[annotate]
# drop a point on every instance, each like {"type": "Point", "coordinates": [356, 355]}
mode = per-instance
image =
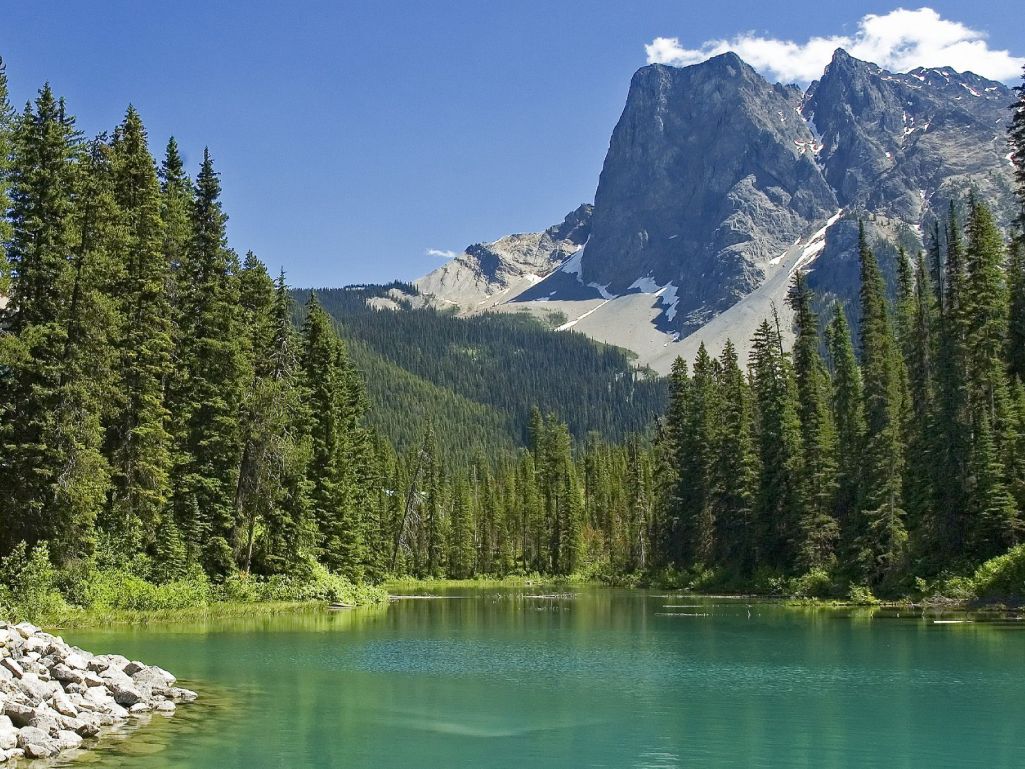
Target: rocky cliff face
{"type": "Point", "coordinates": [708, 177]}
{"type": "Point", "coordinates": [487, 274]}
{"type": "Point", "coordinates": [717, 185]}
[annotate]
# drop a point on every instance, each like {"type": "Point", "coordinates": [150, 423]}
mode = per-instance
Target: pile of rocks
{"type": "Point", "coordinates": [54, 695]}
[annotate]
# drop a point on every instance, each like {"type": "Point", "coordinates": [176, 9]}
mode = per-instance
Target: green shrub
{"type": "Point", "coordinates": [120, 589]}
{"type": "Point", "coordinates": [861, 595]}
{"type": "Point", "coordinates": [242, 588]}
{"type": "Point", "coordinates": [1002, 577]}
{"type": "Point", "coordinates": [31, 583]}
{"type": "Point", "coordinates": [817, 583]}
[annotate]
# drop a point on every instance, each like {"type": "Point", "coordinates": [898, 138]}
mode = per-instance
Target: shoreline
{"type": "Point", "coordinates": [55, 697]}
{"type": "Point", "coordinates": [407, 589]}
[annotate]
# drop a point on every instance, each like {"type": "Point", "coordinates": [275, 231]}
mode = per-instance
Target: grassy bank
{"type": "Point", "coordinates": [89, 593]}
{"type": "Point", "coordinates": [998, 582]}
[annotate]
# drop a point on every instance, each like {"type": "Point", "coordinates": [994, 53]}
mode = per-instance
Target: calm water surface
{"type": "Point", "coordinates": [600, 678]}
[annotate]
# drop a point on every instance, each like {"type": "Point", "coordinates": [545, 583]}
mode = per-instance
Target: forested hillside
{"type": "Point", "coordinates": [507, 363]}
{"type": "Point", "coordinates": [173, 425]}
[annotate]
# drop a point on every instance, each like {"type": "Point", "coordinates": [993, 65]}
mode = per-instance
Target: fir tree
{"type": "Point", "coordinates": [849, 415]}
{"type": "Point", "coordinates": [818, 527]}
{"type": "Point", "coordinates": [137, 439]}
{"type": "Point", "coordinates": [213, 355]}
{"type": "Point", "coordinates": [781, 504]}
{"type": "Point", "coordinates": [882, 547]}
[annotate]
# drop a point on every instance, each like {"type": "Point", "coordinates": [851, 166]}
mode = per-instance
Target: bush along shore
{"type": "Point", "coordinates": [54, 696]}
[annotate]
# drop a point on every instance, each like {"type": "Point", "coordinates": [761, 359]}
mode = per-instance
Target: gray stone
{"type": "Point", "coordinates": [76, 661]}
{"type": "Point", "coordinates": [183, 695]}
{"type": "Point", "coordinates": [8, 734]}
{"type": "Point", "coordinates": [12, 667]}
{"type": "Point", "coordinates": [26, 629]}
{"type": "Point", "coordinates": [35, 689]}
{"type": "Point", "coordinates": [66, 675]}
{"type": "Point", "coordinates": [63, 705]}
{"type": "Point", "coordinates": [68, 740]}
{"type": "Point", "coordinates": [36, 743]}
{"type": "Point", "coordinates": [124, 694]}
{"type": "Point", "coordinates": [19, 713]}
{"type": "Point", "coordinates": [46, 720]}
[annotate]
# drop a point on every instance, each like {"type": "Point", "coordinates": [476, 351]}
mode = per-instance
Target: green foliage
{"type": "Point", "coordinates": [28, 583]}
{"type": "Point", "coordinates": [1001, 578]}
{"type": "Point", "coordinates": [122, 590]}
{"type": "Point", "coordinates": [496, 361]}
{"type": "Point", "coordinates": [861, 595]}
{"type": "Point", "coordinates": [817, 583]}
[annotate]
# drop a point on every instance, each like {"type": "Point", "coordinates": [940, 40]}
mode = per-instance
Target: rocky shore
{"type": "Point", "coordinates": [54, 696]}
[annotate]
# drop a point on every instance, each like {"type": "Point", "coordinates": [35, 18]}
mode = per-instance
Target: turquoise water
{"type": "Point", "coordinates": [601, 678]}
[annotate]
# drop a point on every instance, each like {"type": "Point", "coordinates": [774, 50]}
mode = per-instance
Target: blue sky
{"type": "Point", "coordinates": [354, 137]}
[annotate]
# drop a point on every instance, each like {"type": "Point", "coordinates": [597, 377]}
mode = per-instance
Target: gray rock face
{"type": "Point", "coordinates": [901, 145]}
{"type": "Point", "coordinates": [486, 274]}
{"type": "Point", "coordinates": [706, 180]}
{"type": "Point", "coordinates": [717, 185]}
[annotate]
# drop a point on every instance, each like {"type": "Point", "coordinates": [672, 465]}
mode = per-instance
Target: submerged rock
{"type": "Point", "coordinates": [54, 696]}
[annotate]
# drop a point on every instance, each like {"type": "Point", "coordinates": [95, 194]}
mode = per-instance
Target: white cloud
{"type": "Point", "coordinates": [440, 253]}
{"type": "Point", "coordinates": [898, 41]}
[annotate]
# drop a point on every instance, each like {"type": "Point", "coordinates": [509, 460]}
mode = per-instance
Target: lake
{"type": "Point", "coordinates": [596, 678]}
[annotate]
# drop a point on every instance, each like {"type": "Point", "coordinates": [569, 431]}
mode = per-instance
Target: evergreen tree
{"type": "Point", "coordinates": [7, 135]}
{"type": "Point", "coordinates": [56, 348]}
{"type": "Point", "coordinates": [1016, 266]}
{"type": "Point", "coordinates": [985, 308]}
{"type": "Point", "coordinates": [781, 504]}
{"type": "Point", "coordinates": [882, 547]}
{"type": "Point", "coordinates": [698, 449]}
{"type": "Point", "coordinates": [921, 468]}
{"type": "Point", "coordinates": [335, 405]}
{"type": "Point", "coordinates": [138, 442]}
{"type": "Point", "coordinates": [849, 415]}
{"type": "Point", "coordinates": [818, 528]}
{"type": "Point", "coordinates": [736, 468]}
{"type": "Point", "coordinates": [461, 551]}
{"type": "Point", "coordinates": [214, 358]}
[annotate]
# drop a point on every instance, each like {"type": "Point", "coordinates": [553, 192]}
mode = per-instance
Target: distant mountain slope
{"type": "Point", "coordinates": [487, 367]}
{"type": "Point", "coordinates": [402, 404]}
{"type": "Point", "coordinates": [488, 274]}
{"type": "Point", "coordinates": [717, 184]}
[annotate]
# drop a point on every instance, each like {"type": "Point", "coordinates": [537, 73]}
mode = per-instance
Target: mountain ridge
{"type": "Point", "coordinates": [718, 184]}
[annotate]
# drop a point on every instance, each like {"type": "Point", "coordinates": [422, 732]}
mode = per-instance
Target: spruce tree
{"type": "Point", "coordinates": [781, 504]}
{"type": "Point", "coordinates": [697, 453]}
{"type": "Point", "coordinates": [213, 355]}
{"type": "Point", "coordinates": [57, 351]}
{"type": "Point", "coordinates": [882, 547]}
{"type": "Point", "coordinates": [921, 468]}
{"type": "Point", "coordinates": [138, 441]}
{"type": "Point", "coordinates": [1016, 135]}
{"type": "Point", "coordinates": [849, 415]}
{"type": "Point", "coordinates": [736, 468]}
{"type": "Point", "coordinates": [7, 135]}
{"type": "Point", "coordinates": [985, 308]}
{"type": "Point", "coordinates": [336, 403]}
{"type": "Point", "coordinates": [461, 550]}
{"type": "Point", "coordinates": [818, 528]}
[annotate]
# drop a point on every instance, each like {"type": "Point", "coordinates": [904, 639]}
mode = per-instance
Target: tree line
{"type": "Point", "coordinates": [155, 395]}
{"type": "Point", "coordinates": [163, 403]}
